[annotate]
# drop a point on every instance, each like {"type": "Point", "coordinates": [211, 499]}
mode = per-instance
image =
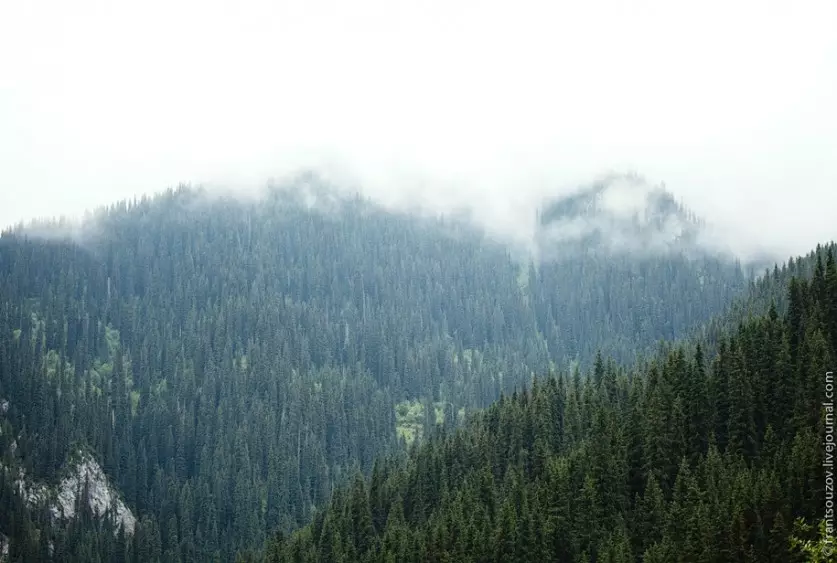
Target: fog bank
{"type": "Point", "coordinates": [439, 105]}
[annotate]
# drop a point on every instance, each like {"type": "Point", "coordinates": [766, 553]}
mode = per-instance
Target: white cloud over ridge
{"type": "Point", "coordinates": [446, 105]}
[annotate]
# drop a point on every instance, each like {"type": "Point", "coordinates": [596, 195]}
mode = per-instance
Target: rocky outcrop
{"type": "Point", "coordinates": [101, 496]}
{"type": "Point", "coordinates": [84, 475]}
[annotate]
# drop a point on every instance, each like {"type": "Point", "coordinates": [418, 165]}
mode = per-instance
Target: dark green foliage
{"type": "Point", "coordinates": [231, 364]}
{"type": "Point", "coordinates": [727, 495]}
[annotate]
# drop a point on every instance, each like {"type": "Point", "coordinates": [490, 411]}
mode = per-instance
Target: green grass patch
{"type": "Point", "coordinates": [409, 420]}
{"type": "Point", "coordinates": [439, 409]}
{"type": "Point", "coordinates": [112, 339]}
{"type": "Point", "coordinates": [135, 397]}
{"type": "Point", "coordinates": [241, 362]}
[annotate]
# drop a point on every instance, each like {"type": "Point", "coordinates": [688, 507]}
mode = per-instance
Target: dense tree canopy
{"type": "Point", "coordinates": [232, 363]}
{"type": "Point", "coordinates": [686, 459]}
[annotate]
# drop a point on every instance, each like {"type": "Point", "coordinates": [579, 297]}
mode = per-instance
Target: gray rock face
{"type": "Point", "coordinates": [63, 499]}
{"type": "Point", "coordinates": [101, 495]}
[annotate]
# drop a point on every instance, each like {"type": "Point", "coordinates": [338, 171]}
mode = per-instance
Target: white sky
{"type": "Point", "coordinates": [732, 103]}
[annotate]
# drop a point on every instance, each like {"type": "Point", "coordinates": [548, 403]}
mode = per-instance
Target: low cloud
{"type": "Point", "coordinates": [456, 108]}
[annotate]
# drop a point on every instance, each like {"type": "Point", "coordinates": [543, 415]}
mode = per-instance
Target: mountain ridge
{"type": "Point", "coordinates": [268, 349]}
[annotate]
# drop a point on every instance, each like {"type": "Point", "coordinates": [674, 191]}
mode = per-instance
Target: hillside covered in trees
{"type": "Point", "coordinates": [686, 458]}
{"type": "Point", "coordinates": [230, 364]}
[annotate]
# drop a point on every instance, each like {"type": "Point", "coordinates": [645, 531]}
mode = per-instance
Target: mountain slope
{"type": "Point", "coordinates": [619, 213]}
{"type": "Point", "coordinates": [230, 362]}
{"type": "Point", "coordinates": [768, 290]}
{"type": "Point", "coordinates": [685, 460]}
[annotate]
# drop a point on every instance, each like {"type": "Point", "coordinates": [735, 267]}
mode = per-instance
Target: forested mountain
{"type": "Point", "coordinates": [619, 213]}
{"type": "Point", "coordinates": [768, 290]}
{"type": "Point", "coordinates": [229, 363]}
{"type": "Point", "coordinates": [688, 459]}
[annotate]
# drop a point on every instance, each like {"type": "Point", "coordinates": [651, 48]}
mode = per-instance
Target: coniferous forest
{"type": "Point", "coordinates": [286, 379]}
{"type": "Point", "coordinates": [685, 458]}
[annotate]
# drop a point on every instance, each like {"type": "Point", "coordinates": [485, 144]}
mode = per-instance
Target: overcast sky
{"type": "Point", "coordinates": [733, 104]}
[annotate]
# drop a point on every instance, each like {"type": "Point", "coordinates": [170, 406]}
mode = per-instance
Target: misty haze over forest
{"type": "Point", "coordinates": [417, 282]}
{"type": "Point", "coordinates": [442, 104]}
